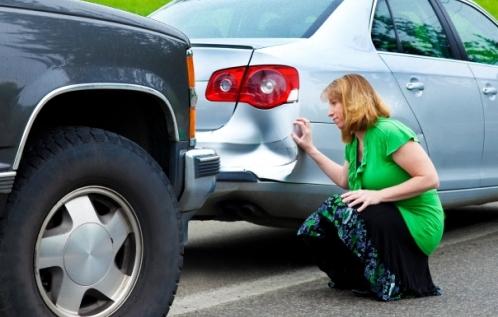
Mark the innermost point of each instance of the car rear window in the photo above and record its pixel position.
(246, 18)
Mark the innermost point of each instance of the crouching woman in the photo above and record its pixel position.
(376, 237)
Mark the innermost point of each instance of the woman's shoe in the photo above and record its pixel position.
(333, 285)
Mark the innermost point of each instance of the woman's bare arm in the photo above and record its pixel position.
(336, 172)
(412, 158)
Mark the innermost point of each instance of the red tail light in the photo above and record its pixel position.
(262, 86)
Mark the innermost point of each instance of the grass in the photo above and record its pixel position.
(490, 5)
(142, 7)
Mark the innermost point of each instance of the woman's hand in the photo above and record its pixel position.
(363, 197)
(304, 140)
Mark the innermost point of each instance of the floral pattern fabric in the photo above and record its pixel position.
(351, 230)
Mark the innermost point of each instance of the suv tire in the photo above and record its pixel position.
(91, 228)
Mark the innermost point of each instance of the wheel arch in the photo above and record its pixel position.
(139, 113)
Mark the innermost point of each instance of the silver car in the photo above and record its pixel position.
(262, 63)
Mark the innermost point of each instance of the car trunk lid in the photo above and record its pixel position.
(211, 55)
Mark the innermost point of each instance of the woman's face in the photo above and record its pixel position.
(336, 112)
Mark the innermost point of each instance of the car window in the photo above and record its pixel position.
(419, 29)
(479, 34)
(245, 18)
(383, 34)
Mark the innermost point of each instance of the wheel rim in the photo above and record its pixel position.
(88, 253)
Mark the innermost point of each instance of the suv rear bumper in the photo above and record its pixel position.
(201, 168)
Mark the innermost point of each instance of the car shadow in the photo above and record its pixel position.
(459, 218)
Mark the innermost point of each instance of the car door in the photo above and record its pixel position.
(478, 35)
(440, 90)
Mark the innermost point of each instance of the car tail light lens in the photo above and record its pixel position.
(224, 85)
(262, 86)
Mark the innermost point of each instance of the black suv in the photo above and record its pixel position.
(98, 174)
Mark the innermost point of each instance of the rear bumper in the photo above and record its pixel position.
(201, 168)
(244, 196)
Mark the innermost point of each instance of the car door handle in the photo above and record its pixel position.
(489, 91)
(415, 86)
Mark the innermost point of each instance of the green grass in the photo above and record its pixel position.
(142, 7)
(490, 5)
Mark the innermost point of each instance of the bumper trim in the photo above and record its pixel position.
(201, 168)
(7, 182)
(207, 165)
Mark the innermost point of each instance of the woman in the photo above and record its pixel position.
(377, 236)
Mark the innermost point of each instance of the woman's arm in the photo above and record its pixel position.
(336, 172)
(413, 159)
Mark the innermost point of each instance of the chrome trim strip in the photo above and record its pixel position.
(7, 174)
(424, 57)
(482, 64)
(436, 58)
(90, 86)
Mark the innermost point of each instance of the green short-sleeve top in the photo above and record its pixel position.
(423, 214)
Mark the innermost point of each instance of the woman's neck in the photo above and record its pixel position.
(359, 135)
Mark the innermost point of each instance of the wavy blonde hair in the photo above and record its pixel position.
(361, 104)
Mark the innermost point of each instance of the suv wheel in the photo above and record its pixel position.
(92, 229)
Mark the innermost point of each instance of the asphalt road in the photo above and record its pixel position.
(240, 269)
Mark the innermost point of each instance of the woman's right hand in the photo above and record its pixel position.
(304, 140)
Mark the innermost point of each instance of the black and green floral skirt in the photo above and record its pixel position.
(370, 250)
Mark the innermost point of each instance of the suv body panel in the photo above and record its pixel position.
(51, 48)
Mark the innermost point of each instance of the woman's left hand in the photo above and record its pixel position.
(363, 197)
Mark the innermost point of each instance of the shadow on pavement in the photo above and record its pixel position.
(268, 248)
(250, 250)
(458, 218)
